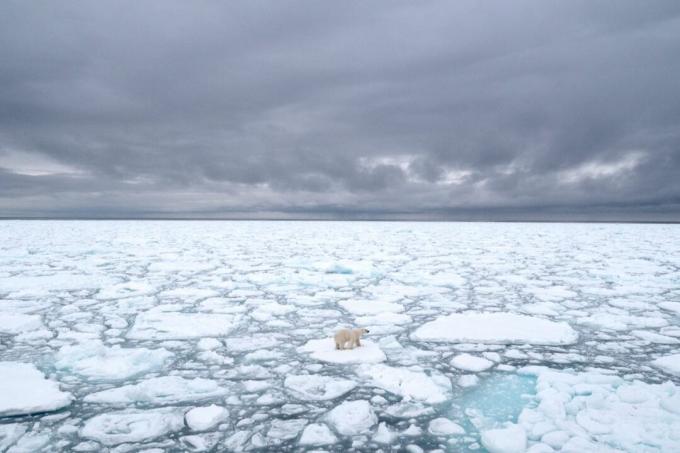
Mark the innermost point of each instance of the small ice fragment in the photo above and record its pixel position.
(445, 427)
(511, 439)
(472, 363)
(317, 434)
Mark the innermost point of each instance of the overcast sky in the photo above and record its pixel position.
(347, 109)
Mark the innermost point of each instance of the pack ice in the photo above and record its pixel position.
(153, 336)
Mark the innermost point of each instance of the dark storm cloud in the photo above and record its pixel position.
(353, 109)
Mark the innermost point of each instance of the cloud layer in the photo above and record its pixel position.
(307, 109)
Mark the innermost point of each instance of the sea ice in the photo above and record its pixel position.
(604, 409)
(370, 307)
(205, 418)
(352, 417)
(444, 427)
(495, 328)
(469, 362)
(317, 434)
(177, 326)
(160, 390)
(96, 361)
(324, 350)
(312, 387)
(24, 390)
(510, 439)
(415, 385)
(13, 324)
(132, 425)
(670, 364)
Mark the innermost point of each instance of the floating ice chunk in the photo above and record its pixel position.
(205, 418)
(445, 427)
(10, 434)
(242, 344)
(132, 425)
(511, 439)
(412, 385)
(412, 431)
(317, 434)
(370, 307)
(200, 442)
(13, 324)
(324, 350)
(56, 282)
(352, 417)
(615, 322)
(171, 326)
(654, 337)
(311, 387)
(384, 435)
(407, 409)
(670, 364)
(96, 361)
(382, 319)
(495, 328)
(671, 306)
(24, 390)
(262, 354)
(208, 344)
(602, 412)
(160, 390)
(469, 362)
(282, 430)
(468, 380)
(125, 290)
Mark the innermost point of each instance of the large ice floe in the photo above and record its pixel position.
(496, 328)
(218, 336)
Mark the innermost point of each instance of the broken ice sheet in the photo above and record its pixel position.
(195, 336)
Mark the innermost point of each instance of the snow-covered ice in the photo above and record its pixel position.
(24, 390)
(496, 328)
(472, 363)
(132, 425)
(352, 417)
(163, 390)
(313, 387)
(324, 350)
(669, 364)
(204, 418)
(94, 360)
(171, 326)
(411, 385)
(218, 336)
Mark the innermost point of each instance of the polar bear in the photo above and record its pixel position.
(351, 336)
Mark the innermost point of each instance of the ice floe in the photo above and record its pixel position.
(669, 364)
(444, 427)
(13, 324)
(24, 390)
(472, 363)
(205, 418)
(312, 387)
(411, 385)
(171, 326)
(324, 350)
(96, 361)
(352, 417)
(115, 428)
(317, 434)
(496, 328)
(160, 390)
